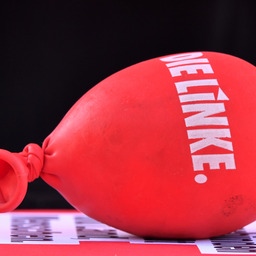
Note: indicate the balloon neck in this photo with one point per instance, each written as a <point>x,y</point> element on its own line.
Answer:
<point>33,157</point>
<point>16,170</point>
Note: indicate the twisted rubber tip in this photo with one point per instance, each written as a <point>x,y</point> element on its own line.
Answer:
<point>16,170</point>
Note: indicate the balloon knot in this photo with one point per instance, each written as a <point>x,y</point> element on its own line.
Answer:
<point>34,156</point>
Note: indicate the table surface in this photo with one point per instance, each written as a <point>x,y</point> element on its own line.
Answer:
<point>68,232</point>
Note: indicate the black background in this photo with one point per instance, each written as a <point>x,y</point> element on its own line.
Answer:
<point>52,52</point>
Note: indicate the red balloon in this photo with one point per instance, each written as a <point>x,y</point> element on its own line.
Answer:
<point>164,148</point>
